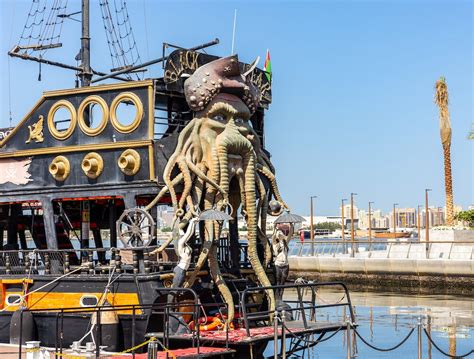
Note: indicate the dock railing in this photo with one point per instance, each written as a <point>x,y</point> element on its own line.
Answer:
<point>384,249</point>
<point>305,308</point>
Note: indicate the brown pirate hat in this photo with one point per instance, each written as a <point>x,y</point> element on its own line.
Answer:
<point>221,75</point>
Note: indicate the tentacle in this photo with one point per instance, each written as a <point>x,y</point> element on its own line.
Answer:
<point>208,238</point>
<point>205,178</point>
<point>187,180</point>
<point>250,199</point>
<point>173,161</point>
<point>220,282</point>
<point>177,180</point>
<point>271,177</point>
<point>262,211</point>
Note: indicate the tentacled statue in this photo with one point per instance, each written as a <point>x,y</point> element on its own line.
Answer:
<point>219,163</point>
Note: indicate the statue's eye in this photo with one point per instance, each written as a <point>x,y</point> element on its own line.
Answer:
<point>218,117</point>
<point>239,121</point>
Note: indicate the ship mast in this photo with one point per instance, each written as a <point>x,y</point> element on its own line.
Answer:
<point>86,73</point>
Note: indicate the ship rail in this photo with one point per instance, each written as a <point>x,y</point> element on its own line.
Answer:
<point>136,260</point>
<point>143,260</point>
<point>304,308</point>
<point>409,249</point>
<point>167,310</point>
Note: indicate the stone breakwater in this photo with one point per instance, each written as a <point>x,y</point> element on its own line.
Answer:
<point>454,276</point>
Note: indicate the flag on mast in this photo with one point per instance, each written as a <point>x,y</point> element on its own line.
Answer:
<point>267,67</point>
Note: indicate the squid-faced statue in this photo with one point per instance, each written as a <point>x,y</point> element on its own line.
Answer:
<point>219,163</point>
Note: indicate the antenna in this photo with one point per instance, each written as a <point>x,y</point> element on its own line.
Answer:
<point>233,31</point>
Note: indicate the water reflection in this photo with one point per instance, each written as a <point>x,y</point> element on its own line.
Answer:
<point>384,319</point>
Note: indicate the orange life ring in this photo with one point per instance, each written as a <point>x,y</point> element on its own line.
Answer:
<point>234,324</point>
<point>211,323</point>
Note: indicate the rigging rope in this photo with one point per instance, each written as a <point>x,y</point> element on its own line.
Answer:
<point>123,48</point>
<point>43,28</point>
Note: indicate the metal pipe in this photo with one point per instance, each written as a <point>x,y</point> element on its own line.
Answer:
<point>394,220</point>
<point>352,225</point>
<point>348,338</point>
<point>427,222</point>
<point>311,235</point>
<point>343,225</point>
<point>152,62</point>
<point>275,335</point>
<point>419,223</point>
<point>283,335</point>
<point>420,343</point>
<point>370,226</point>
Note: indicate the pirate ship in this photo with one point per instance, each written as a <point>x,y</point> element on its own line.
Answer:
<point>192,139</point>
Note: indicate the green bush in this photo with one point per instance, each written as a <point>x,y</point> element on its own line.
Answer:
<point>466,216</point>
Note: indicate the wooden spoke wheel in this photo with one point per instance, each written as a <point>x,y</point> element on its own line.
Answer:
<point>136,228</point>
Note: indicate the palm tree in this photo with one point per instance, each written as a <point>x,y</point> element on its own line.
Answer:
<point>441,99</point>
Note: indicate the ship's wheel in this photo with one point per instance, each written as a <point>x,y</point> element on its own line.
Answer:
<point>136,228</point>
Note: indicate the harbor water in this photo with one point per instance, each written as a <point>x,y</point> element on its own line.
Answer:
<point>384,319</point>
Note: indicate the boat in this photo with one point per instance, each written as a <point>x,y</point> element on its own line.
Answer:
<point>392,234</point>
<point>79,196</point>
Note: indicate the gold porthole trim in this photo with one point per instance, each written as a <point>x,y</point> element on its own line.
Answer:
<point>62,135</point>
<point>138,116</point>
<point>92,165</point>
<point>60,168</point>
<point>105,115</point>
<point>129,162</point>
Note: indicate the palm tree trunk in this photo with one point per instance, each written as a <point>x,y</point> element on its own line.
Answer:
<point>448,184</point>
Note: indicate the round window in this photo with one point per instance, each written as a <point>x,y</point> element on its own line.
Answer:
<point>93,113</point>
<point>126,112</point>
<point>62,119</point>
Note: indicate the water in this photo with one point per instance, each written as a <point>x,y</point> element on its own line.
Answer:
<point>384,319</point>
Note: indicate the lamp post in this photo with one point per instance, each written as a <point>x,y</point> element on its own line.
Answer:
<point>311,235</point>
<point>352,223</point>
<point>343,224</point>
<point>419,223</point>
<point>427,222</point>
<point>370,225</point>
<point>394,220</point>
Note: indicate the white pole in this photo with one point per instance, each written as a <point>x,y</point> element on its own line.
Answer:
<point>233,31</point>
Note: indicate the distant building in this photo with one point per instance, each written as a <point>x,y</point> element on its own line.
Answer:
<point>347,216</point>
<point>436,216</point>
<point>405,218</point>
<point>379,221</point>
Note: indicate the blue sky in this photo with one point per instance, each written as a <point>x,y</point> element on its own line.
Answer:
<point>353,85</point>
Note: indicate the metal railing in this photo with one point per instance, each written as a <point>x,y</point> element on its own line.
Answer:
<point>384,249</point>
<point>306,308</point>
<point>137,312</point>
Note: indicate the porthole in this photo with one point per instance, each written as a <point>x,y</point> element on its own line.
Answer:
<point>62,119</point>
<point>88,301</point>
<point>93,114</point>
<point>126,112</point>
<point>13,299</point>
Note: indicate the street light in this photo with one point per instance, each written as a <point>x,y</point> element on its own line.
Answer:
<point>395,220</point>
<point>352,223</point>
<point>311,235</point>
<point>427,221</point>
<point>419,222</point>
<point>370,225</point>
